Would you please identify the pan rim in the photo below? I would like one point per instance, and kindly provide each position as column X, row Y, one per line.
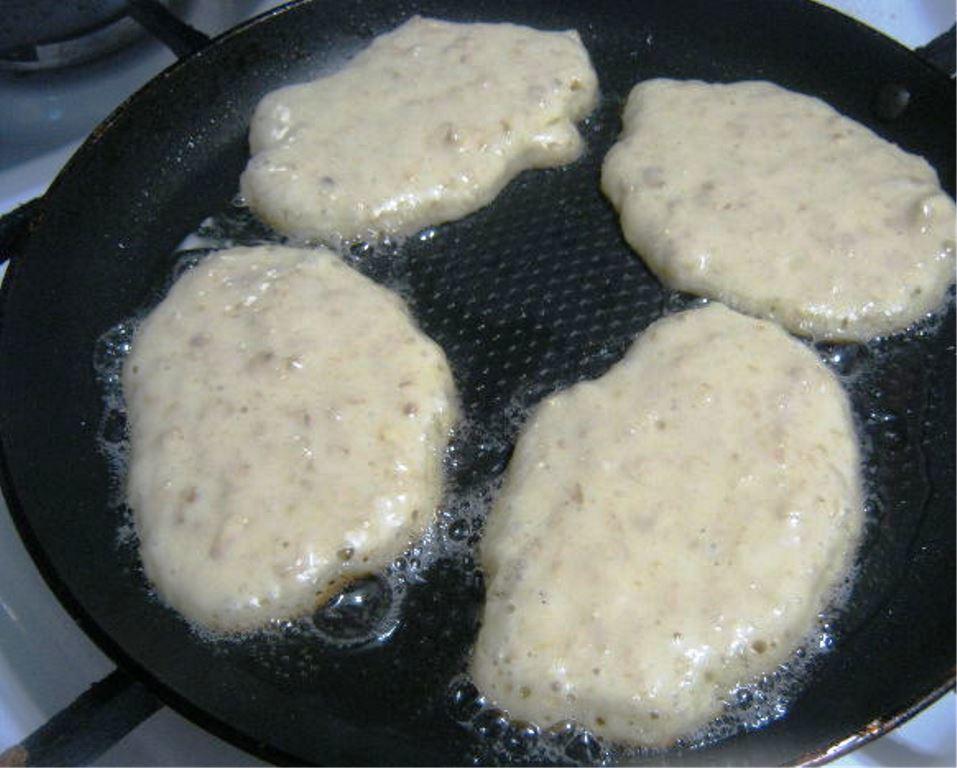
column 169, row 696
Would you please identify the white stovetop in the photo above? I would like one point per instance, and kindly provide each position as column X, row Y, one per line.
column 46, row 661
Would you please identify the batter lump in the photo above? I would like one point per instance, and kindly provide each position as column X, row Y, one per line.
column 287, row 425
column 773, row 203
column 426, row 125
column 668, row 531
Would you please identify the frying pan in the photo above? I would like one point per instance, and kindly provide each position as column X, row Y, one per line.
column 534, row 292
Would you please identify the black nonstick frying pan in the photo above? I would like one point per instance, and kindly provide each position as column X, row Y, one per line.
column 534, row 292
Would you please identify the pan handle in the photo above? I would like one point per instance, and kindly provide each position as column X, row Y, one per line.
column 88, row 727
column 15, row 226
column 941, row 52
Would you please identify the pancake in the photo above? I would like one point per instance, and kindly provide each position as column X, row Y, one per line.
column 426, row 125
column 668, row 531
column 287, row 425
column 775, row 204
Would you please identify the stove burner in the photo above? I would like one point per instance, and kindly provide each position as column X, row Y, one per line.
column 50, row 34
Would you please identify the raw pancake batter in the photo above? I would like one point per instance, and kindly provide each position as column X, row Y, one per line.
column 668, row 530
column 424, row 126
column 287, row 425
column 779, row 206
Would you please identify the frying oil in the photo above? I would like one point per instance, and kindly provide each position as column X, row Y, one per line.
column 368, row 611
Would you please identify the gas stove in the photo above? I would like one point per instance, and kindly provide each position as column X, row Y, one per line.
column 45, row 659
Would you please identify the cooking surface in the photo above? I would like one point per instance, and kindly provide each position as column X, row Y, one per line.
column 59, row 677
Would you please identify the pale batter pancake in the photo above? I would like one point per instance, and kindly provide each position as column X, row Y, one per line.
column 781, row 207
column 287, row 425
column 668, row 531
column 424, row 126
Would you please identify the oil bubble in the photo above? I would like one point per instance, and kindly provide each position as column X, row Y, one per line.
column 364, row 611
column 465, row 702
